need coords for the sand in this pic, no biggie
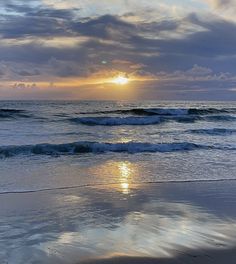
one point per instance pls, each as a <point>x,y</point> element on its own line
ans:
<point>194,257</point>
<point>147,223</point>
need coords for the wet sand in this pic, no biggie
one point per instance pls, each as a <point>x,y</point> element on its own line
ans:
<point>194,257</point>
<point>191,222</point>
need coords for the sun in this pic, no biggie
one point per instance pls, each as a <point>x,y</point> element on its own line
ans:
<point>120,80</point>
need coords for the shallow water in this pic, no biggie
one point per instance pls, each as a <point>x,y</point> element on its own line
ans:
<point>65,144</point>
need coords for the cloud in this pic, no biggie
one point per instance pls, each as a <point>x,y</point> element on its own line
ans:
<point>223,3</point>
<point>30,26</point>
<point>103,27</point>
<point>223,8</point>
<point>53,40</point>
<point>28,73</point>
<point>107,34</point>
<point>196,73</point>
<point>62,68</point>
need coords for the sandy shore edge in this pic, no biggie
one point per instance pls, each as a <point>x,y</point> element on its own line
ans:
<point>220,256</point>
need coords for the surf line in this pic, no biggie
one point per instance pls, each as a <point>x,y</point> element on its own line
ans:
<point>113,184</point>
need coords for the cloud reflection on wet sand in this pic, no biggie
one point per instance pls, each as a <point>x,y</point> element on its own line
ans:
<point>86,224</point>
<point>160,229</point>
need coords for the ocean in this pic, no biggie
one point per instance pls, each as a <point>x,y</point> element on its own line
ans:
<point>87,180</point>
<point>71,143</point>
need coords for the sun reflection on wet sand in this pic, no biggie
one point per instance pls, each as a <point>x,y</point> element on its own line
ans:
<point>125,175</point>
<point>125,187</point>
<point>119,174</point>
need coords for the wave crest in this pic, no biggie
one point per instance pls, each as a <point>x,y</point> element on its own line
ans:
<point>166,111</point>
<point>214,131</point>
<point>95,147</point>
<point>12,113</point>
<point>116,121</point>
<point>146,120</point>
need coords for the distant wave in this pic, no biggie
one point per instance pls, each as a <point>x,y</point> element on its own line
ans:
<point>116,121</point>
<point>151,116</point>
<point>166,111</point>
<point>214,131</point>
<point>146,120</point>
<point>12,113</point>
<point>143,111</point>
<point>220,118</point>
<point>97,147</point>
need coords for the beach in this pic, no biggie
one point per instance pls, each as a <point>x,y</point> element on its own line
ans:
<point>117,132</point>
<point>185,222</point>
<point>117,182</point>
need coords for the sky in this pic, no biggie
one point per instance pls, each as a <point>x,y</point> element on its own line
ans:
<point>163,49</point>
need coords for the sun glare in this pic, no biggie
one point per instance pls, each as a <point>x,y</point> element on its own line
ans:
<point>120,80</point>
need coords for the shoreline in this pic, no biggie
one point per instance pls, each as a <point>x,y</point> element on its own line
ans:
<point>100,185</point>
<point>193,257</point>
<point>143,224</point>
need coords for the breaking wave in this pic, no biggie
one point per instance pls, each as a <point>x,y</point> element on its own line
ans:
<point>95,147</point>
<point>98,147</point>
<point>166,111</point>
<point>146,120</point>
<point>151,116</point>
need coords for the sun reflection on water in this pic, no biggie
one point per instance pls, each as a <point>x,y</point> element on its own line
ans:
<point>118,175</point>
<point>125,188</point>
<point>125,175</point>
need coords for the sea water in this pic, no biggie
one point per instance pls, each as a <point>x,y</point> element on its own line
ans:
<point>82,180</point>
<point>57,144</point>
